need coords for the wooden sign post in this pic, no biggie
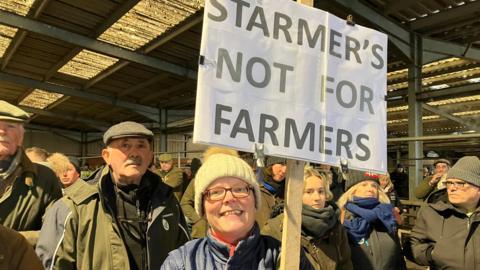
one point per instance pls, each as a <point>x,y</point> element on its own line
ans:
<point>292,221</point>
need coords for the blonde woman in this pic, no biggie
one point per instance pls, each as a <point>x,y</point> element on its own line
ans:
<point>64,168</point>
<point>324,240</point>
<point>367,215</point>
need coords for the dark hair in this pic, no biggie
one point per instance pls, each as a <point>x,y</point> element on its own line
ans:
<point>194,166</point>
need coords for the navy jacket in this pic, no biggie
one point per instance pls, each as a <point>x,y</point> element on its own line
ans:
<point>255,252</point>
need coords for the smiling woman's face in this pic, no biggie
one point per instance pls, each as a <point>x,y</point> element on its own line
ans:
<point>231,218</point>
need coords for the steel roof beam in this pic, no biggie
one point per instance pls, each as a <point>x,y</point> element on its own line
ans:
<point>142,85</point>
<point>147,111</point>
<point>451,49</point>
<point>105,48</point>
<point>428,95</point>
<point>434,49</point>
<point>55,130</point>
<point>156,43</point>
<point>446,17</point>
<point>117,14</point>
<point>99,125</point>
<point>449,116</point>
<point>449,92</point>
<point>20,35</point>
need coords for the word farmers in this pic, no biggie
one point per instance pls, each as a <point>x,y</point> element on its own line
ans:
<point>324,139</point>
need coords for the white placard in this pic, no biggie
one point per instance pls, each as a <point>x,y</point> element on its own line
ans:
<point>297,79</point>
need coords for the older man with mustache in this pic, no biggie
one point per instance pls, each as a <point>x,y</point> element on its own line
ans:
<point>26,188</point>
<point>127,218</point>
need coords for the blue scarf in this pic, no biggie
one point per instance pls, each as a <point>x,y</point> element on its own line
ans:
<point>269,187</point>
<point>368,211</point>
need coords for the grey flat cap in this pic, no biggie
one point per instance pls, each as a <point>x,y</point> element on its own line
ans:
<point>10,112</point>
<point>126,129</point>
<point>442,160</point>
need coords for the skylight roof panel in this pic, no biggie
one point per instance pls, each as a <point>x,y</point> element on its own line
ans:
<point>6,35</point>
<point>147,20</point>
<point>40,99</point>
<point>87,64</point>
<point>20,7</point>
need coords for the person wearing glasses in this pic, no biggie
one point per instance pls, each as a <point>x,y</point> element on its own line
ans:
<point>324,239</point>
<point>228,196</point>
<point>446,234</point>
<point>126,218</point>
<point>368,217</point>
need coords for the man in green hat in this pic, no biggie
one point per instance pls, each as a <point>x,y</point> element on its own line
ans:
<point>171,175</point>
<point>446,234</point>
<point>26,188</point>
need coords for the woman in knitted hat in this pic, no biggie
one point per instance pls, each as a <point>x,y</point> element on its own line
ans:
<point>367,215</point>
<point>228,196</point>
<point>324,239</point>
<point>446,234</point>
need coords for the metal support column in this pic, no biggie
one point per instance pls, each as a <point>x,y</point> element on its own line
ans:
<point>163,130</point>
<point>415,125</point>
<point>83,148</point>
<point>398,156</point>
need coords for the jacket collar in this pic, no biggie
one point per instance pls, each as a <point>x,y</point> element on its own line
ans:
<point>80,191</point>
<point>28,169</point>
<point>103,180</point>
<point>445,206</point>
<point>243,251</point>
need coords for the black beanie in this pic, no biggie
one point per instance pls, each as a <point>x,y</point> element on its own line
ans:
<point>355,176</point>
<point>271,160</point>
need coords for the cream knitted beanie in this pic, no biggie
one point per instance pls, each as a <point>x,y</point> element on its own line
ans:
<point>223,165</point>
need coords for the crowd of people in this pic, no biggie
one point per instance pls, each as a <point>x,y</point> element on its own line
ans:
<point>142,212</point>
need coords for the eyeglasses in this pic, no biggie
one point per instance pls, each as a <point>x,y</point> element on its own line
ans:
<point>455,184</point>
<point>218,193</point>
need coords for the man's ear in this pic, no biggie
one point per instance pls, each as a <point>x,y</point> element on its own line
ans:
<point>106,156</point>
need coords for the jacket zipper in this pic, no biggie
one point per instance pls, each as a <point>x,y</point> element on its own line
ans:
<point>144,233</point>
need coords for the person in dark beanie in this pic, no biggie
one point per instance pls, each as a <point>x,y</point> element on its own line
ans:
<point>272,186</point>
<point>400,180</point>
<point>446,234</point>
<point>368,217</point>
<point>127,218</point>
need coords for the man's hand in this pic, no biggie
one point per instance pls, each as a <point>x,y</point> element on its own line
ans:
<point>435,178</point>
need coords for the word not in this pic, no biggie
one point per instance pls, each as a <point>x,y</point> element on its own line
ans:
<point>236,71</point>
